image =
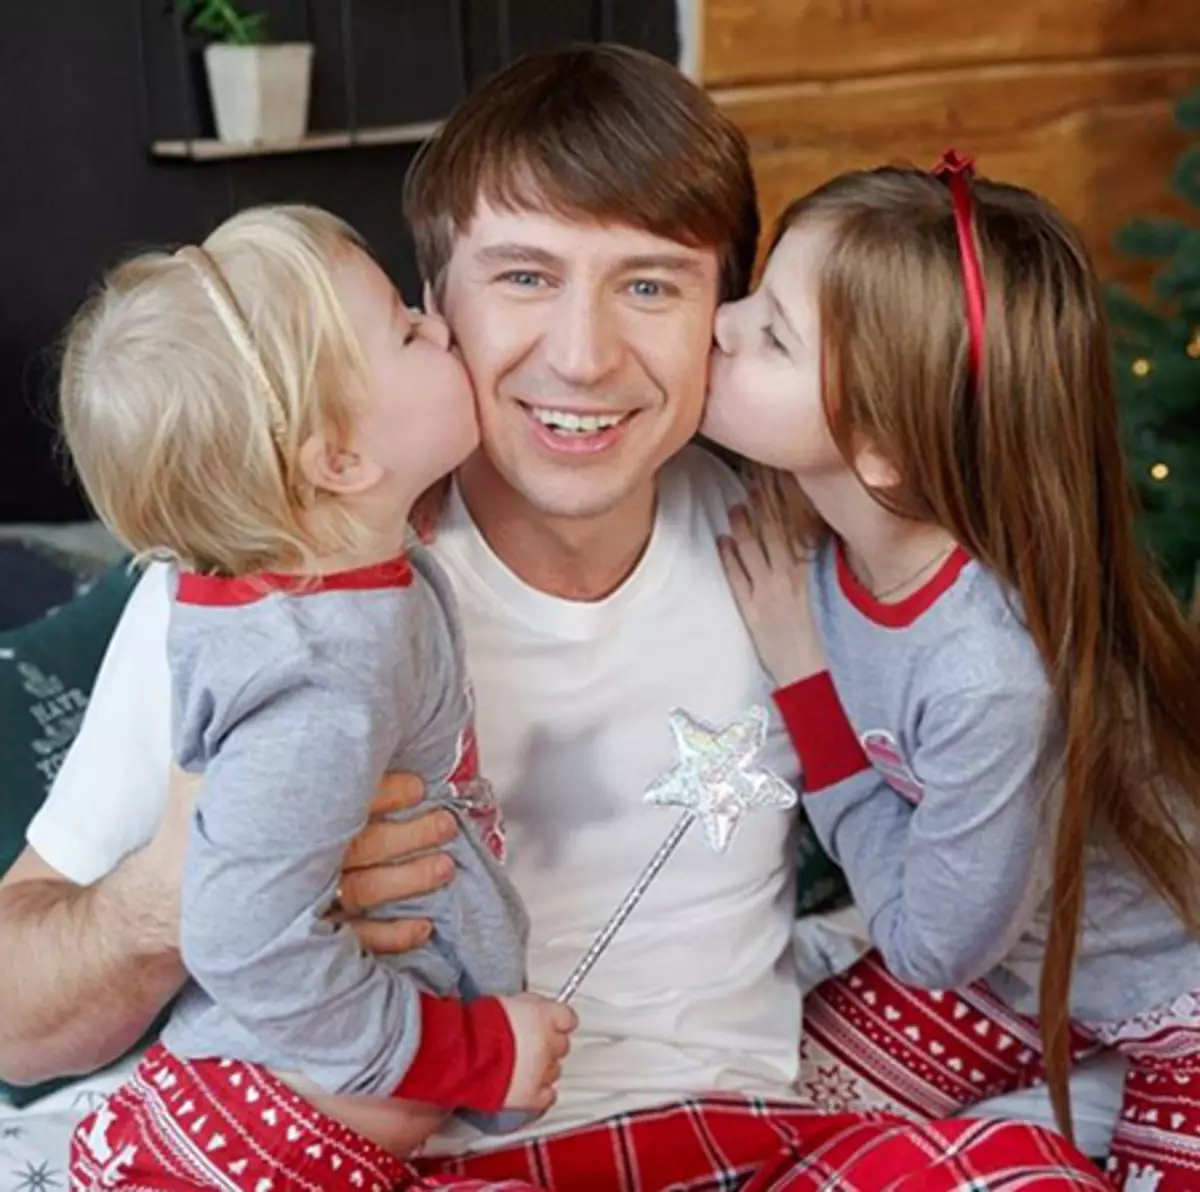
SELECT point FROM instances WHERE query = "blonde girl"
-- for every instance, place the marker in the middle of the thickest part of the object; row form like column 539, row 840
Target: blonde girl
column 263, row 410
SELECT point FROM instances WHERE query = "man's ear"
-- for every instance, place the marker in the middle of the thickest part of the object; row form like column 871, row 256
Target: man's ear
column 332, row 469
column 429, row 300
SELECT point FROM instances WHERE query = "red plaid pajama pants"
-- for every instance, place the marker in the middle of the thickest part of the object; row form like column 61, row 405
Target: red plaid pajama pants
column 182, row 1125
column 873, row 1044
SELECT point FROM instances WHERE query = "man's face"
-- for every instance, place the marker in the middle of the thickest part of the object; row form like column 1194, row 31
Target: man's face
column 588, row 348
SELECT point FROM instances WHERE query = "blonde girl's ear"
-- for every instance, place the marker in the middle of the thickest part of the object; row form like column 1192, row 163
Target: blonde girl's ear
column 330, row 468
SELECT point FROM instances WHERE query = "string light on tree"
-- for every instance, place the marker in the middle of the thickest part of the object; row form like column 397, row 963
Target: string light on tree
column 1156, row 347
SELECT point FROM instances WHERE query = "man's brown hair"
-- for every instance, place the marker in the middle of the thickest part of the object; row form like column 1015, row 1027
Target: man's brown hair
column 601, row 133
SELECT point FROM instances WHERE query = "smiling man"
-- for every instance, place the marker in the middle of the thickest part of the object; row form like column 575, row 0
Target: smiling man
column 577, row 220
column 591, row 346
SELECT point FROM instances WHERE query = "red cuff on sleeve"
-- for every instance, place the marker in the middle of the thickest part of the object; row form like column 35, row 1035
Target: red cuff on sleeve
column 466, row 1056
column 815, row 720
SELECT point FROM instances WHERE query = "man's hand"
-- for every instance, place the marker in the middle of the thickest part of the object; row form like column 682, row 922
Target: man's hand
column 392, row 860
column 770, row 585
column 542, row 1030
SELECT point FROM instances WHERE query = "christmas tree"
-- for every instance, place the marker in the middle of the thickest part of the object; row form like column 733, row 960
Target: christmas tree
column 1156, row 346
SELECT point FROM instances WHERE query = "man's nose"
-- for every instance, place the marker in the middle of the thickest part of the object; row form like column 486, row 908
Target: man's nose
column 583, row 343
column 432, row 328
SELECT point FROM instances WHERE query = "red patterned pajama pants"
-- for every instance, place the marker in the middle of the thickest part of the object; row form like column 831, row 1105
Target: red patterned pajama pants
column 872, row 1044
column 182, row 1125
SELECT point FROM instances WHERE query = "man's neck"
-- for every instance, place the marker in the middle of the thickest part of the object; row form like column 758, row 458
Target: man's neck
column 572, row 558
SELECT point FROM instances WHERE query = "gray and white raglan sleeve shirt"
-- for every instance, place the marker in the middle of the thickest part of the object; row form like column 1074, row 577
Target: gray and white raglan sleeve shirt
column 931, row 760
column 293, row 703
column 934, row 804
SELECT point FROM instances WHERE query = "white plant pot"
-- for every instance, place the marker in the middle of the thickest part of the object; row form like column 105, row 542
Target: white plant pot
column 260, row 93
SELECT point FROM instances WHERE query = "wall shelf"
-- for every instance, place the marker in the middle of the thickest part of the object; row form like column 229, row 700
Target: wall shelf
column 361, row 95
column 211, row 149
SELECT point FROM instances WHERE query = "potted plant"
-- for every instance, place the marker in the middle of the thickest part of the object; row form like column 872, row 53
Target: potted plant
column 259, row 89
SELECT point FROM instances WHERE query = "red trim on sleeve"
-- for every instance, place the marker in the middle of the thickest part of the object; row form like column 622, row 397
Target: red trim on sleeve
column 226, row 591
column 466, row 1057
column 900, row 613
column 828, row 746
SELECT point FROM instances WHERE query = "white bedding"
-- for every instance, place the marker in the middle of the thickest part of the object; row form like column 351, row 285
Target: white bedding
column 33, row 1148
column 33, row 1140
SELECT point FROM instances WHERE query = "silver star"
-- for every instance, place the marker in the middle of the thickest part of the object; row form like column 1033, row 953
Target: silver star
column 718, row 778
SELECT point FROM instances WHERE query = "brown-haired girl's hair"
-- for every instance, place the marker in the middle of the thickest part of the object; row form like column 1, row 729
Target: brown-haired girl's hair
column 1023, row 466
column 602, row 133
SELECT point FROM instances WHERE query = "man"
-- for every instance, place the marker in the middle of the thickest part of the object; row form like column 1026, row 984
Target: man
column 577, row 221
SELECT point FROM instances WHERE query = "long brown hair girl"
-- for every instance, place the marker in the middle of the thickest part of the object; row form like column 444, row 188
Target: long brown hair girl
column 963, row 336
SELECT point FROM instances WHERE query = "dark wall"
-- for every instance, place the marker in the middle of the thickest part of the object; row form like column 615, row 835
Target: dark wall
column 84, row 85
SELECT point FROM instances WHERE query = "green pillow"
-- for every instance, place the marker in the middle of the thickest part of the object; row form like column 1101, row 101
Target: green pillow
column 820, row 885
column 47, row 669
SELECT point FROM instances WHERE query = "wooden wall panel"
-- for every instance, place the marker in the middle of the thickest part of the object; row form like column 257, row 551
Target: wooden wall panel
column 1095, row 136
column 763, row 40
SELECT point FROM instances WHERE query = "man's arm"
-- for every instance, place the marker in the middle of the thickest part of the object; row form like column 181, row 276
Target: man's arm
column 96, row 964
column 89, row 912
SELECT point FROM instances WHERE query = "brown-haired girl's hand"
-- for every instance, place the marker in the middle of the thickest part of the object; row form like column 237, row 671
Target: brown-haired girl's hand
column 391, row 860
column 770, row 584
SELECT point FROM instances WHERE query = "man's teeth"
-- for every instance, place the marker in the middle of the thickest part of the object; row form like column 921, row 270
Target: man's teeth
column 565, row 422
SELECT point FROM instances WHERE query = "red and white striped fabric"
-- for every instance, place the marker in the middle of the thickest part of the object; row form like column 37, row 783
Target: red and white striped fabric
column 872, row 1044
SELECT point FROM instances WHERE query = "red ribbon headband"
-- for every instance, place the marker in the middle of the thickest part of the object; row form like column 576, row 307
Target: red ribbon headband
column 957, row 171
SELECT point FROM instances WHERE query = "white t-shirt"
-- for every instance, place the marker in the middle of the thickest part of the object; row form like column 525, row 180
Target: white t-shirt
column 697, row 992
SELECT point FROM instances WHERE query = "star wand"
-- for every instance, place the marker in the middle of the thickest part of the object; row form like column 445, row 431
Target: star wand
column 716, row 781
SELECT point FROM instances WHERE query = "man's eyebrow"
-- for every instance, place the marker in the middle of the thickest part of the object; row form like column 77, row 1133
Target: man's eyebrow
column 513, row 253
column 670, row 262
column 777, row 307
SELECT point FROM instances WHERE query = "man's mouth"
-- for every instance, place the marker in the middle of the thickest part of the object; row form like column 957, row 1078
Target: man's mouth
column 565, row 422
column 577, row 431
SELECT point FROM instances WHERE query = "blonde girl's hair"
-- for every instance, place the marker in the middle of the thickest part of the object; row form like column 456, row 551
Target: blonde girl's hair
column 190, row 381
column 1023, row 465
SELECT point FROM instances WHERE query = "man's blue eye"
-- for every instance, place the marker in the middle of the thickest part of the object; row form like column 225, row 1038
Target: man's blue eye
column 524, row 278
column 647, row 289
